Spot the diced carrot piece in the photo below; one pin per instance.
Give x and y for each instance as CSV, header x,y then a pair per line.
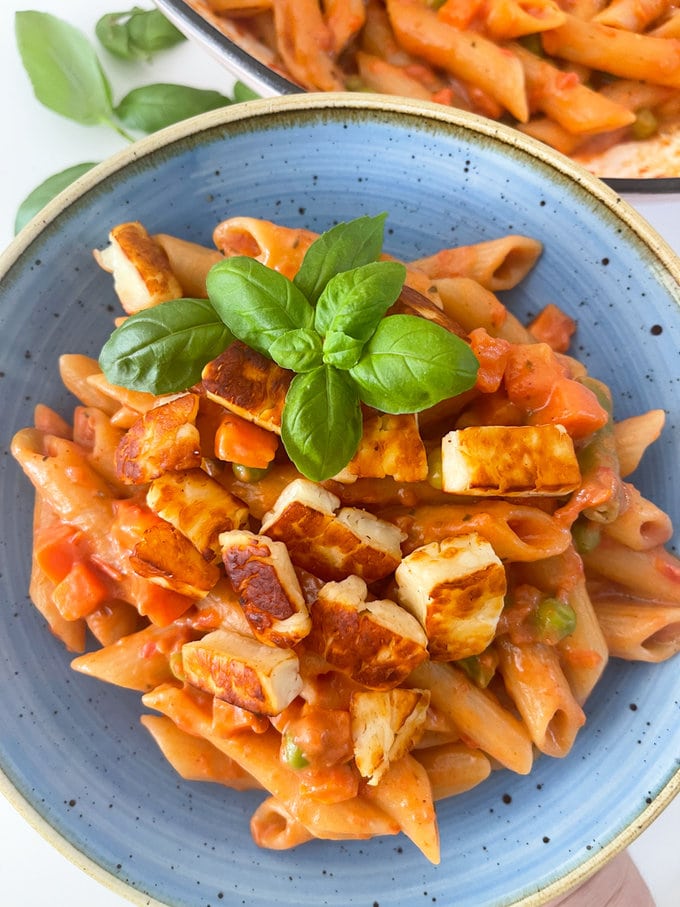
x,y
81,591
554,327
243,442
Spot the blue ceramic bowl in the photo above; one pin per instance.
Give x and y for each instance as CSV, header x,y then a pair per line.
x,y
74,757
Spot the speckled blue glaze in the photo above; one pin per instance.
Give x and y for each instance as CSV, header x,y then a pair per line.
x,y
72,750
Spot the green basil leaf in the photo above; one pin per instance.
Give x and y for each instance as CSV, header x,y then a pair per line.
x,y
153,107
321,424
410,364
137,34
243,92
63,68
355,301
298,350
150,31
256,303
342,248
163,349
36,200
341,351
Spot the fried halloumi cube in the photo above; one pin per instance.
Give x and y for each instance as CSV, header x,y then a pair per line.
x,y
165,557
390,445
377,643
509,460
163,439
385,725
456,589
262,574
243,671
329,542
198,506
142,276
248,384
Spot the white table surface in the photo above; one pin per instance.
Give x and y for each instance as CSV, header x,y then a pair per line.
x,y
34,144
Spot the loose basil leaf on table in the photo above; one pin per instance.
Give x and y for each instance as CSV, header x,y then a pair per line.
x,y
321,424
342,248
257,303
137,34
409,364
36,200
63,68
163,349
153,107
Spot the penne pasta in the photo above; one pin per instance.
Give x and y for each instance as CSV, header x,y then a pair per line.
x,y
360,647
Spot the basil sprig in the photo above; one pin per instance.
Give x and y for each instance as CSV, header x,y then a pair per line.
x,y
329,325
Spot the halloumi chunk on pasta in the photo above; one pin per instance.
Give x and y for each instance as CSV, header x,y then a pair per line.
x,y
142,276
261,572
456,589
509,460
390,445
198,507
385,726
248,384
162,439
332,543
376,643
247,673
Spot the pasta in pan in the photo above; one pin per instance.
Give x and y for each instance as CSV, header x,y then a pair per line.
x,y
582,77
362,645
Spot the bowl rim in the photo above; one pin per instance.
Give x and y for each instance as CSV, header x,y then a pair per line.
x,y
369,104
269,83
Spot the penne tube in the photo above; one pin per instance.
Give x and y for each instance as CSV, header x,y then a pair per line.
x,y
478,715
139,661
75,371
189,262
499,264
632,15
194,758
344,19
301,34
653,573
553,717
382,76
639,630
404,792
272,826
466,55
616,51
634,435
562,96
516,532
277,247
471,305
640,525
453,768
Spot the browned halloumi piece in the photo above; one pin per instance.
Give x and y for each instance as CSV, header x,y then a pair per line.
x,y
248,674
142,276
248,384
198,506
162,439
263,576
329,542
165,557
509,460
385,725
390,445
456,589
377,643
